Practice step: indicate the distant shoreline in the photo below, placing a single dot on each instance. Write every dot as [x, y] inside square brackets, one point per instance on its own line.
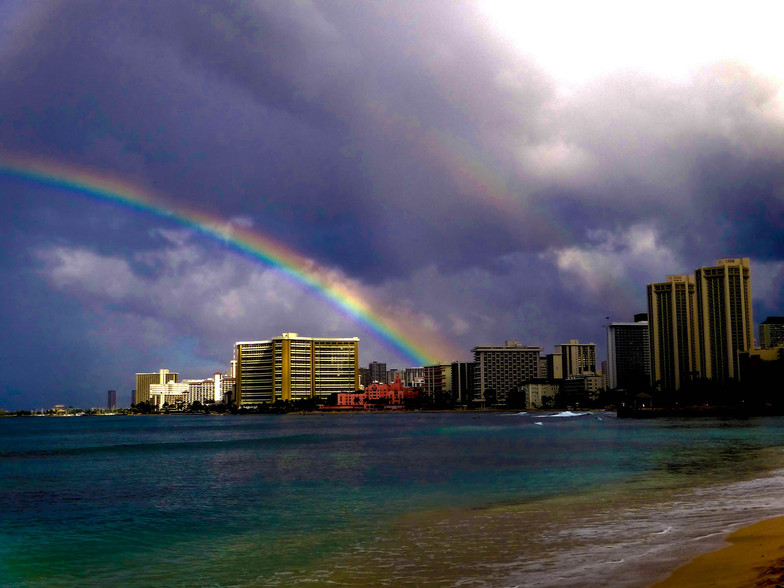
[316, 412]
[696, 412]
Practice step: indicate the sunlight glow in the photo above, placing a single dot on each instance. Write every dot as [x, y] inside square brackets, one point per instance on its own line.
[580, 41]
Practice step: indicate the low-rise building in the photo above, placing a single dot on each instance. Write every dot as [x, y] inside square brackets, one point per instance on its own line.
[771, 332]
[762, 375]
[581, 390]
[538, 393]
[377, 395]
[169, 394]
[204, 391]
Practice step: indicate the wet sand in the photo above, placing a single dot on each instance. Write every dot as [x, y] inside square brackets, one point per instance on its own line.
[755, 557]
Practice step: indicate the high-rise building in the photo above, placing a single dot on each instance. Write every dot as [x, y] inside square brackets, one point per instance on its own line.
[364, 376]
[771, 332]
[698, 325]
[725, 321]
[414, 377]
[291, 367]
[378, 372]
[628, 355]
[577, 358]
[111, 402]
[437, 380]
[463, 381]
[144, 380]
[554, 363]
[503, 369]
[672, 313]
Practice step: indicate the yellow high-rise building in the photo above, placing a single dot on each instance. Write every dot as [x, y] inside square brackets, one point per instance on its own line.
[291, 367]
[699, 324]
[724, 314]
[144, 380]
[672, 328]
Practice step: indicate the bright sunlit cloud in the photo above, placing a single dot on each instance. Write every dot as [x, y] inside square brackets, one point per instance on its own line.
[578, 41]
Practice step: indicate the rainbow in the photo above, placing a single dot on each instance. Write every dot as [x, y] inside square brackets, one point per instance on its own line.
[404, 335]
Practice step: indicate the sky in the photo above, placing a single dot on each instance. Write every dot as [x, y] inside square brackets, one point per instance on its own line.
[427, 176]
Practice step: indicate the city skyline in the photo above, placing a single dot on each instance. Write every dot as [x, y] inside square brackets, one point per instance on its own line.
[574, 358]
[428, 177]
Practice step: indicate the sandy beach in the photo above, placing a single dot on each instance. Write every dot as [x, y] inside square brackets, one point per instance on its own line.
[755, 557]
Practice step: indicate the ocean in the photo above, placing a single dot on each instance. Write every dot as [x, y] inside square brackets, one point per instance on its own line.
[412, 499]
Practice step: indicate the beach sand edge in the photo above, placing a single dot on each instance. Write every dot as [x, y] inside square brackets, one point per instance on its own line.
[754, 557]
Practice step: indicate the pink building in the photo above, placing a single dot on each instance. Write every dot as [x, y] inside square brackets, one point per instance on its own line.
[377, 395]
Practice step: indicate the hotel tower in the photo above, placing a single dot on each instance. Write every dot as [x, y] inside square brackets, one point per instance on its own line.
[628, 354]
[698, 324]
[725, 320]
[291, 367]
[145, 380]
[672, 312]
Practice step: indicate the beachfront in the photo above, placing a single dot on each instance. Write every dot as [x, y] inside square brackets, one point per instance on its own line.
[754, 557]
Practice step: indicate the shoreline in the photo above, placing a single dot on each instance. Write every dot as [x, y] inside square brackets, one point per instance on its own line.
[754, 556]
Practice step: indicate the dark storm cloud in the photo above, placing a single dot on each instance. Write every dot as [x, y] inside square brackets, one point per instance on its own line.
[288, 112]
[700, 160]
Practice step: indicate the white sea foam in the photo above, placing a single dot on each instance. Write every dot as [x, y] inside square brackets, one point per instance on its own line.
[663, 531]
[567, 414]
[610, 548]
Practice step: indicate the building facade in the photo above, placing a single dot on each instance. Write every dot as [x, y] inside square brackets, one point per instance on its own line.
[463, 376]
[672, 332]
[538, 393]
[394, 374]
[144, 380]
[554, 370]
[364, 377]
[577, 358]
[771, 332]
[216, 389]
[414, 377]
[725, 321]
[170, 394]
[628, 355]
[378, 372]
[111, 402]
[502, 369]
[378, 396]
[291, 367]
[579, 391]
[437, 380]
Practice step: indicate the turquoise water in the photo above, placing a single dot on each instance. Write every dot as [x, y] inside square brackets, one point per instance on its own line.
[466, 499]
